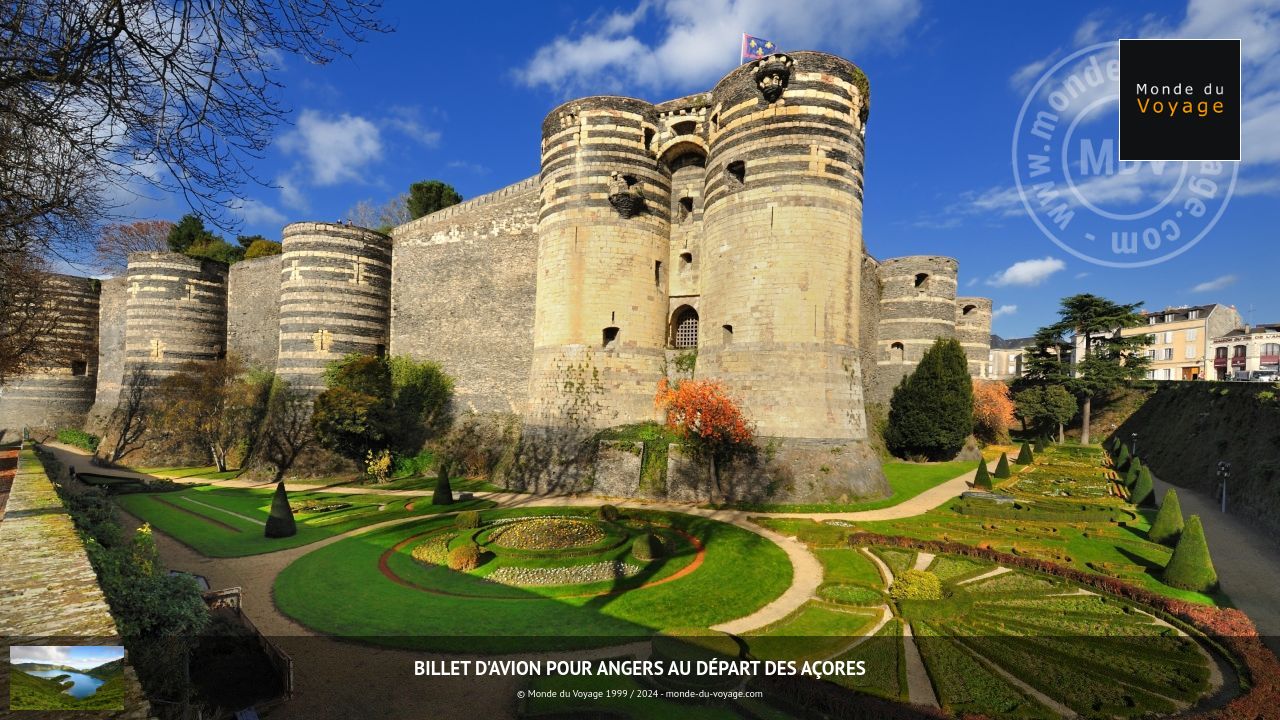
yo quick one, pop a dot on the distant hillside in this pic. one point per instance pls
(1184, 429)
(106, 671)
(43, 666)
(28, 692)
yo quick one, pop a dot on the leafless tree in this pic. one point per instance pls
(387, 215)
(288, 430)
(131, 417)
(115, 242)
(173, 95)
(30, 319)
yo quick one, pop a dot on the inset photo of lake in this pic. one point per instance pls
(66, 677)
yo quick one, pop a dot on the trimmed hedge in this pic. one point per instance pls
(280, 522)
(1143, 489)
(465, 557)
(467, 520)
(1167, 526)
(443, 494)
(79, 438)
(1002, 467)
(982, 480)
(1024, 455)
(1190, 566)
(608, 513)
(647, 547)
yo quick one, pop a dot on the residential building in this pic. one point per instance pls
(1245, 350)
(1006, 357)
(1179, 339)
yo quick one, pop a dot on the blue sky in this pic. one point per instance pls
(81, 657)
(458, 92)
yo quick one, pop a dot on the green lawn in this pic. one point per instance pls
(340, 590)
(229, 522)
(907, 480)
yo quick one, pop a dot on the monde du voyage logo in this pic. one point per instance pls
(1148, 187)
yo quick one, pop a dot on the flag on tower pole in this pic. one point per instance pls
(754, 48)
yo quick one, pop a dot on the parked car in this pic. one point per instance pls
(1268, 376)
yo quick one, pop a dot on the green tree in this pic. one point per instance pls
(443, 494)
(213, 405)
(1045, 408)
(1131, 475)
(931, 412)
(1024, 454)
(280, 522)
(247, 241)
(1109, 359)
(1002, 467)
(428, 196)
(1167, 526)
(190, 230)
(1190, 566)
(982, 480)
(421, 395)
(1122, 459)
(1143, 489)
(262, 248)
(287, 427)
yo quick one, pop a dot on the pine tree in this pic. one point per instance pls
(931, 412)
(444, 492)
(1168, 523)
(982, 480)
(280, 522)
(1024, 455)
(1143, 489)
(1002, 467)
(1190, 566)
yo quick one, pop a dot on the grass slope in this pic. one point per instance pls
(28, 692)
(907, 480)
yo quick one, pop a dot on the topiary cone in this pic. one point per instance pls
(1190, 566)
(444, 492)
(1122, 459)
(280, 521)
(982, 481)
(1024, 454)
(1002, 467)
(1131, 475)
(1143, 489)
(1167, 526)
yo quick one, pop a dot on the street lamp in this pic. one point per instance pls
(1224, 474)
(1133, 450)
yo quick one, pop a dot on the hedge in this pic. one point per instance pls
(1002, 467)
(1168, 524)
(982, 480)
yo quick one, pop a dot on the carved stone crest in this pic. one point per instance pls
(772, 74)
(625, 195)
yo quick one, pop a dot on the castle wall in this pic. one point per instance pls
(463, 289)
(335, 298)
(111, 333)
(917, 306)
(869, 329)
(175, 312)
(783, 233)
(60, 391)
(253, 311)
(600, 320)
(973, 330)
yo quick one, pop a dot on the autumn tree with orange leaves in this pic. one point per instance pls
(992, 410)
(707, 418)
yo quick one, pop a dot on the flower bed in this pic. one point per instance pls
(567, 575)
(547, 534)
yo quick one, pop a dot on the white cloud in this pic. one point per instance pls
(1081, 275)
(1004, 310)
(335, 149)
(698, 40)
(1217, 283)
(1027, 272)
(469, 167)
(256, 212)
(291, 192)
(408, 120)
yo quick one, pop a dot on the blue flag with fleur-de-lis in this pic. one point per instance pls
(754, 48)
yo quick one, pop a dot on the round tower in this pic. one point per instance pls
(782, 229)
(603, 252)
(917, 306)
(335, 298)
(973, 330)
(175, 311)
(60, 390)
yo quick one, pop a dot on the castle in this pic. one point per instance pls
(727, 223)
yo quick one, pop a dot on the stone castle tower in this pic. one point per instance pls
(727, 223)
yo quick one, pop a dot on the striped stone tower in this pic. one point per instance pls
(782, 224)
(917, 306)
(175, 311)
(973, 330)
(335, 298)
(603, 244)
(60, 391)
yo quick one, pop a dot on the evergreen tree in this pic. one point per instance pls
(1131, 475)
(280, 522)
(1002, 467)
(444, 492)
(982, 480)
(1122, 460)
(1190, 566)
(1024, 454)
(1143, 489)
(428, 196)
(931, 412)
(1168, 523)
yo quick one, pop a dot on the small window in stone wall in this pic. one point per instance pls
(686, 260)
(969, 308)
(684, 128)
(897, 352)
(79, 367)
(735, 174)
(686, 209)
(648, 138)
(657, 273)
(726, 334)
(380, 350)
(921, 279)
(610, 337)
